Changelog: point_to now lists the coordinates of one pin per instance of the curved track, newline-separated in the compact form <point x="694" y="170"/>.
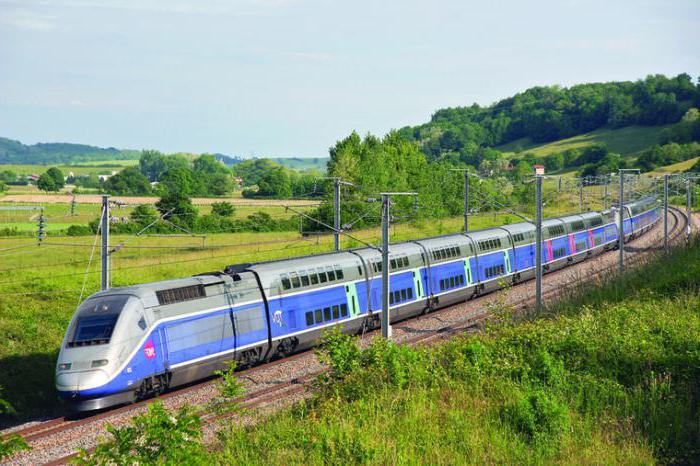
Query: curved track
<point x="284" y="381"/>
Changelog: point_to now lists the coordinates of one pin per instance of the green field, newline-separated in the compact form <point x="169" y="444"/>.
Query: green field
<point x="86" y="168"/>
<point x="303" y="163"/>
<point x="628" y="141"/>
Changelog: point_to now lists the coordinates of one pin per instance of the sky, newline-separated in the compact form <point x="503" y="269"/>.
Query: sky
<point x="291" y="77"/>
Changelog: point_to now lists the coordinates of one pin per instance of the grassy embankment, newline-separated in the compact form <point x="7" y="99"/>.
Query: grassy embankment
<point x="628" y="141"/>
<point x="611" y="376"/>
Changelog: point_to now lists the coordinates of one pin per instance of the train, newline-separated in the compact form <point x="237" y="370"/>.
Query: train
<point x="132" y="342"/>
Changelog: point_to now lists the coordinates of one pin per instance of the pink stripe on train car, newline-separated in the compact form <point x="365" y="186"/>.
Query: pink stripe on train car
<point x="549" y="250"/>
<point x="572" y="243"/>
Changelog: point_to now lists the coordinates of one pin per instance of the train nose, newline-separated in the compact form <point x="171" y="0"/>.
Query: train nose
<point x="76" y="381"/>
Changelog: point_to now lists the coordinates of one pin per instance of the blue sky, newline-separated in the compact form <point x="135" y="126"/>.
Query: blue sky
<point x="291" y="77"/>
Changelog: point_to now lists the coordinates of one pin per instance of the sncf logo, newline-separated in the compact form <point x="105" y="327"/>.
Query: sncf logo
<point x="149" y="350"/>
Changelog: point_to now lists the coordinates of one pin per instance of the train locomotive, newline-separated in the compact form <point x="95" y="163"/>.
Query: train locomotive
<point x="132" y="342"/>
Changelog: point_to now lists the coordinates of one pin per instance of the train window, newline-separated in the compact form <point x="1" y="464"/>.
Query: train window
<point x="405" y="261"/>
<point x="286" y="284"/>
<point x="442" y="284"/>
<point x="581" y="245"/>
<point x="452" y="282"/>
<point x="461" y="279"/>
<point x="322" y="276"/>
<point x="310" y="318"/>
<point x="314" y="278"/>
<point x="326" y="314"/>
<point x="397" y="296"/>
<point x="336" y="311"/>
<point x="295" y="280"/>
<point x="319" y="316"/>
<point x="142" y="323"/>
<point x="344" y="309"/>
<point x="304" y="279"/>
<point x="393" y="263"/>
<point x="391" y="298"/>
<point x="331" y="273"/>
<point x="409" y="292"/>
<point x="359" y="270"/>
<point x="338" y="272"/>
<point x="403" y="295"/>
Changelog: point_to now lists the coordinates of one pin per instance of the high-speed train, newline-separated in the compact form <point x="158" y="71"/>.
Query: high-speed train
<point x="131" y="342"/>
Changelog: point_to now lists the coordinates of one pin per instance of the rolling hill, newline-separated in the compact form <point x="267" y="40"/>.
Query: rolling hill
<point x="627" y="141"/>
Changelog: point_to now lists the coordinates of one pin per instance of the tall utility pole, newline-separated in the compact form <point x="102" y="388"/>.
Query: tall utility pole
<point x="621" y="207"/>
<point x="337" y="183"/>
<point x="42" y="225"/>
<point x="466" y="200"/>
<point x="620" y="230"/>
<point x="605" y="194"/>
<point x="580" y="197"/>
<point x="688" y="191"/>
<point x="538" y="247"/>
<point x="105" y="242"/>
<point x="466" y="194"/>
<point x="386" y="218"/>
<point x="666" y="213"/>
<point x="336" y="213"/>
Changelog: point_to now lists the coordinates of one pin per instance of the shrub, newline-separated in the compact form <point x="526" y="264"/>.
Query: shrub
<point x="11" y="443"/>
<point x="155" y="437"/>
<point x="79" y="230"/>
<point x="539" y="417"/>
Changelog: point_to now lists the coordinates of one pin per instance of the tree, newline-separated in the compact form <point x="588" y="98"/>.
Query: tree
<point x="128" y="182"/>
<point x="47" y="183"/>
<point x="143" y="215"/>
<point x="8" y="176"/>
<point x="57" y="176"/>
<point x="178" y="180"/>
<point x="177" y="208"/>
<point x="51" y="180"/>
<point x="223" y="209"/>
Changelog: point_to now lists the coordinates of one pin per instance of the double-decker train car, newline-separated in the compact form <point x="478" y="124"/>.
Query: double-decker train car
<point x="131" y="342"/>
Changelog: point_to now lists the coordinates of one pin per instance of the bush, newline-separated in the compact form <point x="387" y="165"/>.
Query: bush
<point x="538" y="416"/>
<point x="155" y="437"/>
<point x="79" y="230"/>
<point x="12" y="443"/>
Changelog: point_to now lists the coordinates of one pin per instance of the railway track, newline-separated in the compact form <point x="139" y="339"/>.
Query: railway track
<point x="296" y="387"/>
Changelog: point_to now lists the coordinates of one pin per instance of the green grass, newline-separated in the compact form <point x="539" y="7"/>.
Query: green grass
<point x="628" y="141"/>
<point x="86" y="168"/>
<point x="303" y="163"/>
<point x="609" y="377"/>
<point x="676" y="167"/>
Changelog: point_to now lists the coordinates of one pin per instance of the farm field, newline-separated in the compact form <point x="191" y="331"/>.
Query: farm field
<point x="627" y="141"/>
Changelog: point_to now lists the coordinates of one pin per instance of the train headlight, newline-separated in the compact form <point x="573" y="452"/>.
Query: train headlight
<point x="99" y="363"/>
<point x="64" y="366"/>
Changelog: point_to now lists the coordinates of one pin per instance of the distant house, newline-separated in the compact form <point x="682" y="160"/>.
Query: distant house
<point x="104" y="178"/>
<point x="33" y="178"/>
<point x="238" y="180"/>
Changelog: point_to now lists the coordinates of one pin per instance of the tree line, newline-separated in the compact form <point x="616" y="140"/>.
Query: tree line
<point x="548" y="113"/>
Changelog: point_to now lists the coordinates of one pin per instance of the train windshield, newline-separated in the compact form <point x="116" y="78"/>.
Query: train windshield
<point x="96" y="320"/>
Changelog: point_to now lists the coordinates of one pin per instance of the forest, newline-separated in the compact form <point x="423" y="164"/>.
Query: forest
<point x="548" y="113"/>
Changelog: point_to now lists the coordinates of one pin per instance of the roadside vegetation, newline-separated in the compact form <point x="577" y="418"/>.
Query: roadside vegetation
<point x="608" y="376"/>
